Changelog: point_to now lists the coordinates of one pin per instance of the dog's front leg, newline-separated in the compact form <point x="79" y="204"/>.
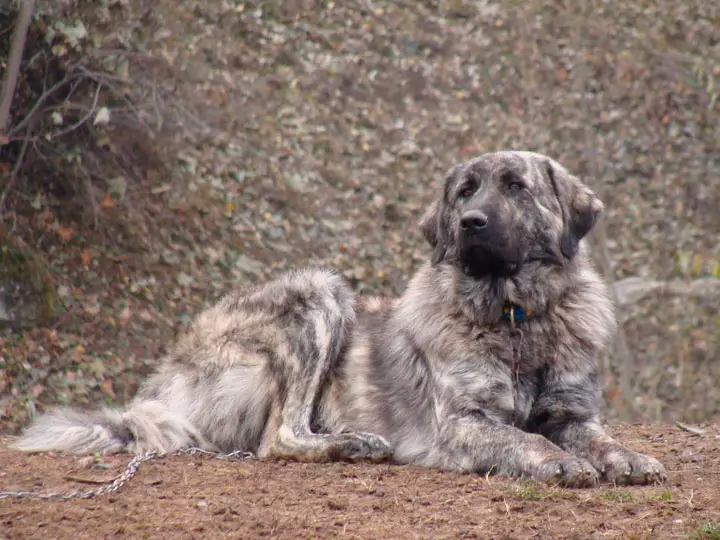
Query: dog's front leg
<point x="566" y="412"/>
<point x="474" y="443"/>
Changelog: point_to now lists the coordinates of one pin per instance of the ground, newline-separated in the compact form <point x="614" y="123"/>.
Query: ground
<point x="206" y="497"/>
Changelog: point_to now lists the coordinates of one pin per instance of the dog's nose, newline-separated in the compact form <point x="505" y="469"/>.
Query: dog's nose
<point x="473" y="220"/>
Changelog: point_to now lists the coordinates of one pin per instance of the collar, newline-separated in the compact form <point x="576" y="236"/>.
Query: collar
<point x="514" y="313"/>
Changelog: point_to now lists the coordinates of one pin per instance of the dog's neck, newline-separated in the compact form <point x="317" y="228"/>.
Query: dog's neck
<point x="489" y="301"/>
<point x="577" y="292"/>
<point x="515" y="314"/>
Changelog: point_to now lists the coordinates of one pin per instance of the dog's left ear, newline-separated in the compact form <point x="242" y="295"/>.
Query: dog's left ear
<point x="581" y="208"/>
<point x="429" y="225"/>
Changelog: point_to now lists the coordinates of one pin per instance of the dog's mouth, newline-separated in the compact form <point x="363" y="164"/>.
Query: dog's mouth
<point x="479" y="261"/>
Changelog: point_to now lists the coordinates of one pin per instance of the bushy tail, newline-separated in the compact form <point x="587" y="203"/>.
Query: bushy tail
<point x="143" y="427"/>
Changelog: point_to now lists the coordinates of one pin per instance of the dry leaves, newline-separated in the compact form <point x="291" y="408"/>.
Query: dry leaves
<point x="107" y="387"/>
<point x="66" y="233"/>
<point x="107" y="201"/>
<point x="86" y="257"/>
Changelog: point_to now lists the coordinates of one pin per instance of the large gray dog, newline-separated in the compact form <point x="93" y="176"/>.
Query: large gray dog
<point x="486" y="364"/>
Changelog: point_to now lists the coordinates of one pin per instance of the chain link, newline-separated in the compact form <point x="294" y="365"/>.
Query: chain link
<point x="112" y="487"/>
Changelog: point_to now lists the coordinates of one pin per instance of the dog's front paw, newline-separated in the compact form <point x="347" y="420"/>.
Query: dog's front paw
<point x="570" y="471"/>
<point x="624" y="467"/>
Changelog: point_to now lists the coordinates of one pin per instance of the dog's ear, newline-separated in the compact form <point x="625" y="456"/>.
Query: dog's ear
<point x="430" y="225"/>
<point x="581" y="208"/>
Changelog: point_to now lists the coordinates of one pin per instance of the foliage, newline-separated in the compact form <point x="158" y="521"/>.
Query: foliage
<point x="191" y="147"/>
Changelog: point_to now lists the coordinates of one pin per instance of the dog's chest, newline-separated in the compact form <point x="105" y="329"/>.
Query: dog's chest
<point x="510" y="364"/>
<point x="522" y="349"/>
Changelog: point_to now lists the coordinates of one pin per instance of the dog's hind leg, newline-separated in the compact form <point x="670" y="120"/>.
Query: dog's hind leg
<point x="316" y="334"/>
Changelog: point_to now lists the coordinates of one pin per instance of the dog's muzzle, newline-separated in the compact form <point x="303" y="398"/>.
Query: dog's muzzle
<point x="484" y="247"/>
<point x="473" y="222"/>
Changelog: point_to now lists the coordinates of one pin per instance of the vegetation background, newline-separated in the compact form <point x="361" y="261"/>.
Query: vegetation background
<point x="158" y="153"/>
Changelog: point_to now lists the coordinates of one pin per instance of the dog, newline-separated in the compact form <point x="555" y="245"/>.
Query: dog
<point x="486" y="364"/>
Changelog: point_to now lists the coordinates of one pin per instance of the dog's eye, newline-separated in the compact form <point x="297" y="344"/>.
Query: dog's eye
<point x="512" y="181"/>
<point x="516" y="186"/>
<point x="467" y="190"/>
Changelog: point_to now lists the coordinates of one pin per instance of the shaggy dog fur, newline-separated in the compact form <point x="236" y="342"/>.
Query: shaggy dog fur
<point x="487" y="363"/>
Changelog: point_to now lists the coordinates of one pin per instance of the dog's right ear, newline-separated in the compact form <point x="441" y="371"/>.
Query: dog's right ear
<point x="429" y="225"/>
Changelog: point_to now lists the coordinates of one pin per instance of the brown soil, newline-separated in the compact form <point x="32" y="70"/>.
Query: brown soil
<point x="315" y="133"/>
<point x="205" y="497"/>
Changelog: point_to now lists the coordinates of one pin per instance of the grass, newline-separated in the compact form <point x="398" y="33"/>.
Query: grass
<point x="707" y="531"/>
<point x="617" y="495"/>
<point x="666" y="495"/>
<point x="530" y="490"/>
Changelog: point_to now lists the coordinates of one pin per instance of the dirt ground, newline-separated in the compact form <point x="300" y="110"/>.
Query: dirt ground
<point x="303" y="132"/>
<point x="206" y="497"/>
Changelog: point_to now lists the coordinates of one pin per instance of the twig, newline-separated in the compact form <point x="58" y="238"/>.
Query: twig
<point x="84" y="119"/>
<point x="87" y="182"/>
<point x="13" y="66"/>
<point x="39" y="103"/>
<point x="691" y="429"/>
<point x="100" y="77"/>
<point x="13" y="175"/>
<point x="630" y="291"/>
<point x="90" y="480"/>
<point x="108" y="80"/>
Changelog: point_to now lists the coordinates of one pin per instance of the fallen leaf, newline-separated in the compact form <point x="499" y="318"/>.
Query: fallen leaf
<point x="613" y="394"/>
<point x="117" y="187"/>
<point x="184" y="280"/>
<point x="37" y="390"/>
<point x="73" y="31"/>
<point x="86" y="257"/>
<point x="102" y="117"/>
<point x="107" y="387"/>
<point x="108" y="201"/>
<point x="124" y="316"/>
<point x="65" y="233"/>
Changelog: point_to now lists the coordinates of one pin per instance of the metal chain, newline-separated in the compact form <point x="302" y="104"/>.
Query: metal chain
<point x="112" y="487"/>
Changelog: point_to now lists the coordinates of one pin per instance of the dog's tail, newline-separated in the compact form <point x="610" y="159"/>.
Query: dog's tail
<point x="143" y="427"/>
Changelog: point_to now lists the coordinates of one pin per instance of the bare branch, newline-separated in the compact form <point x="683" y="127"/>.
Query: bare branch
<point x="630" y="291"/>
<point x="84" y="119"/>
<point x="25" y="121"/>
<point x="14" y="173"/>
<point x="13" y="66"/>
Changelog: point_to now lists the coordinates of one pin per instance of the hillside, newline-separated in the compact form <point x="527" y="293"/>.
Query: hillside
<point x="245" y="138"/>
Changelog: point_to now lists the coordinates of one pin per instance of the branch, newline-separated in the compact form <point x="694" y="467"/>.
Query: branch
<point x="13" y="65"/>
<point x="80" y="122"/>
<point x="45" y="95"/>
<point x="630" y="291"/>
<point x="14" y="174"/>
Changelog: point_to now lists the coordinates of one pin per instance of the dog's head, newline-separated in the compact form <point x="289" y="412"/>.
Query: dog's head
<point x="503" y="210"/>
